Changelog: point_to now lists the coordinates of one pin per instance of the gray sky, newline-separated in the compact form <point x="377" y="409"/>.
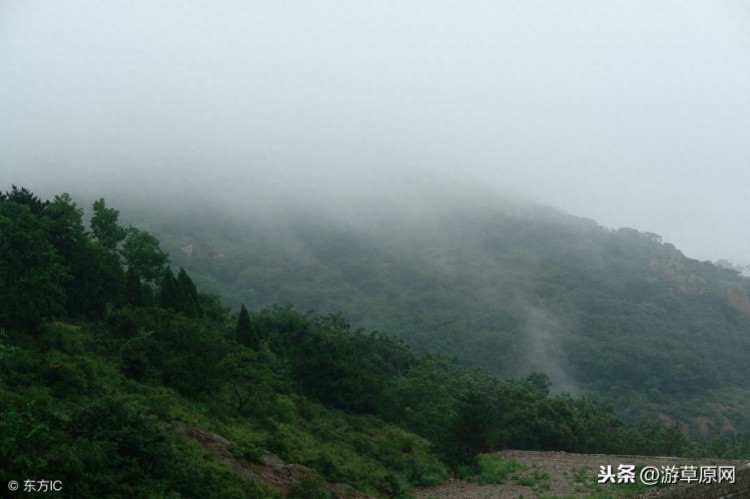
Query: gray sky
<point x="633" y="113"/>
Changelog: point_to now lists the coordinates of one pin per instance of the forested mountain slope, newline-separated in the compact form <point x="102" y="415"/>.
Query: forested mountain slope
<point x="119" y="377"/>
<point x="516" y="289"/>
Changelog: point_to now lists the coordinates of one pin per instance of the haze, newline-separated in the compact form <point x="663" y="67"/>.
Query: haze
<point x="632" y="113"/>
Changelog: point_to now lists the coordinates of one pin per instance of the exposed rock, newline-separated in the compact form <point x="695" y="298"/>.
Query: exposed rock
<point x="278" y="474"/>
<point x="738" y="299"/>
<point x="676" y="273"/>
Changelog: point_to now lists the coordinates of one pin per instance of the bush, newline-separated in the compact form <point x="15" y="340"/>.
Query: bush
<point x="310" y="487"/>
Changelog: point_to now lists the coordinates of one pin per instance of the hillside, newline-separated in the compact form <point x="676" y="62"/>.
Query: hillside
<point x="122" y="378"/>
<point x="516" y="289"/>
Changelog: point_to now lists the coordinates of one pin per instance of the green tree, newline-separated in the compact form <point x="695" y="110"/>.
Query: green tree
<point x="96" y="274"/>
<point x="104" y="226"/>
<point x="191" y="353"/>
<point x="168" y="297"/>
<point x="188" y="295"/>
<point x="251" y="381"/>
<point x="66" y="228"/>
<point x="471" y="429"/>
<point x="131" y="445"/>
<point x="142" y="252"/>
<point x="539" y="384"/>
<point x="25" y="197"/>
<point x="245" y="332"/>
<point x="425" y="399"/>
<point x="133" y="289"/>
<point x="23" y="440"/>
<point x="31" y="271"/>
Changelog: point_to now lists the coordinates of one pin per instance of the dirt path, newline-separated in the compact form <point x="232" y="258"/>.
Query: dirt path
<point x="563" y="475"/>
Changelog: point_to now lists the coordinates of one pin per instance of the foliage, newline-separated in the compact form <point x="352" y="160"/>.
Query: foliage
<point x="133" y="289"/>
<point x="107" y="234"/>
<point x="22" y="436"/>
<point x="142" y="252"/>
<point x="101" y="384"/>
<point x="308" y="488"/>
<point x="32" y="274"/>
<point x="489" y="469"/>
<point x="245" y="332"/>
<point x="187" y="295"/>
<point x="618" y="314"/>
<point x="168" y="297"/>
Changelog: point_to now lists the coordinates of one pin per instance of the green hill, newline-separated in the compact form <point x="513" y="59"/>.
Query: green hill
<point x="119" y="377"/>
<point x="516" y="289"/>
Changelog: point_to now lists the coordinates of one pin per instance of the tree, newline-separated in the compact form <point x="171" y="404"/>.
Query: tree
<point x="245" y="331"/>
<point x="133" y="289"/>
<point x="25" y="197"/>
<point x="539" y="384"/>
<point x="31" y="271"/>
<point x="142" y="252"/>
<point x="131" y="444"/>
<point x="471" y="429"/>
<point x="96" y="274"/>
<point x="191" y="353"/>
<point x="251" y="381"/>
<point x="66" y="227"/>
<point x="104" y="226"/>
<point x="188" y="295"/>
<point x="168" y="298"/>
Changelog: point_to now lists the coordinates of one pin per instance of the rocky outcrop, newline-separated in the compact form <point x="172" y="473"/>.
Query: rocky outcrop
<point x="738" y="299"/>
<point x="675" y="272"/>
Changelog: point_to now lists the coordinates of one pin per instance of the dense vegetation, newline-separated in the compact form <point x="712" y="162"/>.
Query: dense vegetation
<point x="617" y="314"/>
<point x="107" y="356"/>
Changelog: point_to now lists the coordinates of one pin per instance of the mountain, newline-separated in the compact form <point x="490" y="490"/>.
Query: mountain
<point x="120" y="377"/>
<point x="514" y="288"/>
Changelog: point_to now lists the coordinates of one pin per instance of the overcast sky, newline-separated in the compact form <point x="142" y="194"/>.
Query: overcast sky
<point x="633" y="113"/>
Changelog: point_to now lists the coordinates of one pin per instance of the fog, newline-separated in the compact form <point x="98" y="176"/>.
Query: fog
<point x="632" y="113"/>
<point x="544" y="350"/>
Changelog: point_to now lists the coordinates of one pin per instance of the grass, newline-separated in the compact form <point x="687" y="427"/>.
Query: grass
<point x="491" y="470"/>
<point x="538" y="480"/>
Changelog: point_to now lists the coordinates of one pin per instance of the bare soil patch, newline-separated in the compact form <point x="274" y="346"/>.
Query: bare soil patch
<point x="569" y="476"/>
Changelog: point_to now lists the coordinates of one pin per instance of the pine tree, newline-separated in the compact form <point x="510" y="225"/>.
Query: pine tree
<point x="245" y="331"/>
<point x="188" y="295"/>
<point x="168" y="297"/>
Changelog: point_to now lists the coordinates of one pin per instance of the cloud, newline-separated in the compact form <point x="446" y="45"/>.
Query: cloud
<point x="632" y="113"/>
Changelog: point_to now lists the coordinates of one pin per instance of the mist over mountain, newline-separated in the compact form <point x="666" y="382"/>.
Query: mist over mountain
<point x="508" y="285"/>
<point x="629" y="113"/>
<point x="367" y="242"/>
<point x="116" y="364"/>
